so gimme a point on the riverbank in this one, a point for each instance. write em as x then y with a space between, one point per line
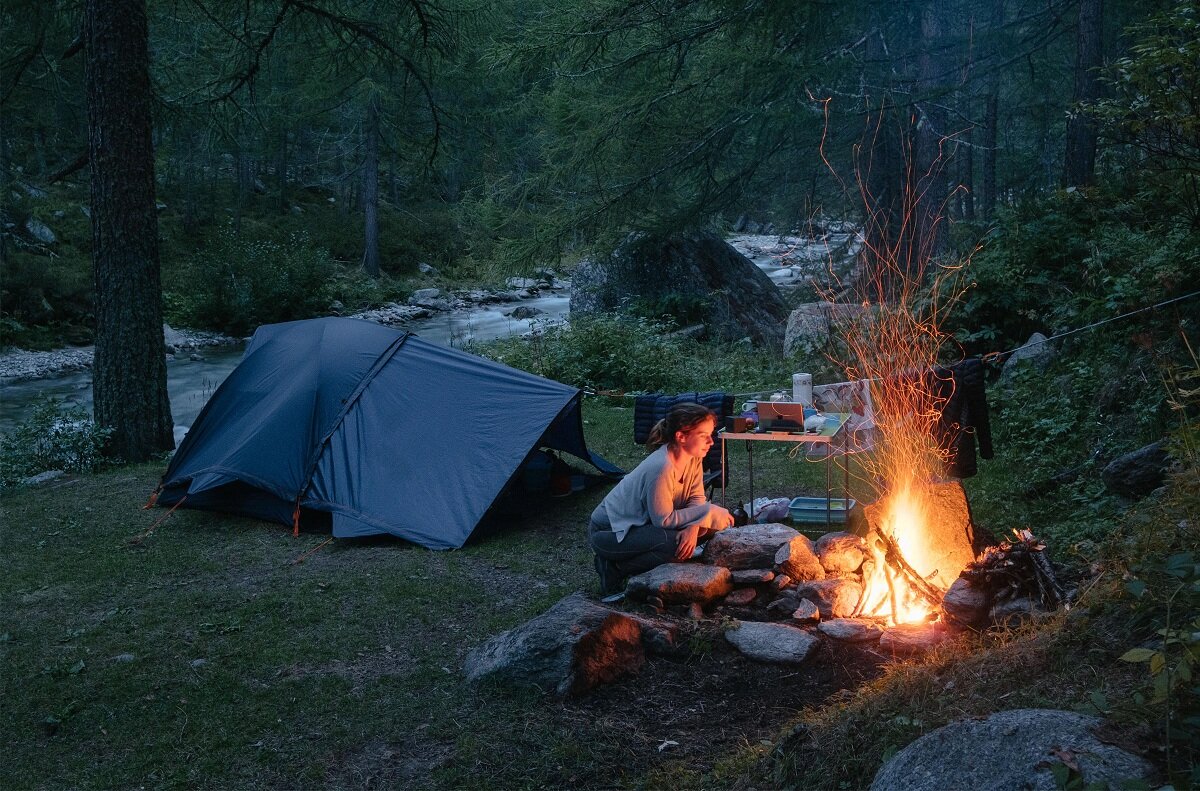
24 365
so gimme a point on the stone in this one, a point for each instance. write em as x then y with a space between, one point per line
40 231
1009 750
1138 473
798 560
851 630
682 269
815 325
949 539
522 282
781 582
806 612
695 611
841 552
1035 352
772 642
1013 612
426 269
431 298
43 477
336 307
681 583
749 546
751 576
836 598
786 603
196 664
569 649
913 639
524 312
124 658
741 597
965 603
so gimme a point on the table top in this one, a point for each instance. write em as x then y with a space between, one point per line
834 421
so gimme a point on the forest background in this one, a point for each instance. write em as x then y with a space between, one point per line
307 153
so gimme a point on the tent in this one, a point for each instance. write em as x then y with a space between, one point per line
370 430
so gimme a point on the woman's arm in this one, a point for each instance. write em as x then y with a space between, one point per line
660 503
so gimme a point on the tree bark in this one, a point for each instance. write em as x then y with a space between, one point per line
370 189
1079 162
129 379
991 119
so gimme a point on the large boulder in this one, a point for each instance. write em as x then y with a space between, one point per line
749 546
681 583
841 552
1138 473
570 648
1023 748
734 298
1036 352
815 326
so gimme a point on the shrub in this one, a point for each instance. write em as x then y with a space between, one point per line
235 283
55 437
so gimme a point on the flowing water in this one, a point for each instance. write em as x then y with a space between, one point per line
190 383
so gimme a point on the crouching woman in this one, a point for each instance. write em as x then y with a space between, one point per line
658 513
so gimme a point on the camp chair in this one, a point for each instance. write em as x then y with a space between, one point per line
653 407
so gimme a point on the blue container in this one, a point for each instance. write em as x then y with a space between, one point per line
812 510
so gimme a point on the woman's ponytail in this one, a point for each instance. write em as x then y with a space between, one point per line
681 418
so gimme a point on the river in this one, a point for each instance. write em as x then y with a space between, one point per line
190 383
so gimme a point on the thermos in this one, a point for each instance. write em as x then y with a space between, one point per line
802 388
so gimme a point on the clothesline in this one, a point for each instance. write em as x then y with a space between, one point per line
989 357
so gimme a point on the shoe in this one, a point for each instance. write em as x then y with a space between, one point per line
610 578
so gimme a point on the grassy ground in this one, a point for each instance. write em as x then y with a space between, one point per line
206 657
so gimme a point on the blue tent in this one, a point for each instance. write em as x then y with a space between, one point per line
371 430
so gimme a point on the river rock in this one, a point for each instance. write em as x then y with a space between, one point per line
835 598
798 560
772 642
741 597
965 603
681 583
431 298
686 268
1138 473
1010 750
913 639
524 312
851 630
806 612
841 552
752 576
749 546
570 648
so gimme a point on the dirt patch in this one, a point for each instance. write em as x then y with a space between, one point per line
711 703
380 764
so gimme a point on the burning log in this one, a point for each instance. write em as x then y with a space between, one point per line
1017 567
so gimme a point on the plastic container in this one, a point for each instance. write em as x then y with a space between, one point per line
812 510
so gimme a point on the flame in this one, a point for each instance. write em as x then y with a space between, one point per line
904 296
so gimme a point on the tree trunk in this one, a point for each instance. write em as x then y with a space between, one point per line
991 119
931 179
129 379
370 188
1079 163
281 170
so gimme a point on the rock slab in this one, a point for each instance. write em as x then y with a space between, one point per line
570 648
681 583
748 547
1009 750
772 642
851 630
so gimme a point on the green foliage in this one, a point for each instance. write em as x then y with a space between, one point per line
55 437
631 354
236 283
1171 602
1072 259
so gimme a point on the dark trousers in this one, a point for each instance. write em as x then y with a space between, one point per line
644 547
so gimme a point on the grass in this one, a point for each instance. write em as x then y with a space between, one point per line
205 658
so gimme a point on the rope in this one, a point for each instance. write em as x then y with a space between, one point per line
138 539
986 357
311 552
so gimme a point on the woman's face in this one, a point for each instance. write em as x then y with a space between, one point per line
696 440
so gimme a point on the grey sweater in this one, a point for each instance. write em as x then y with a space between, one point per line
657 492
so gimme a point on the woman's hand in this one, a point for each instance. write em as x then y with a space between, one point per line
719 518
687 542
